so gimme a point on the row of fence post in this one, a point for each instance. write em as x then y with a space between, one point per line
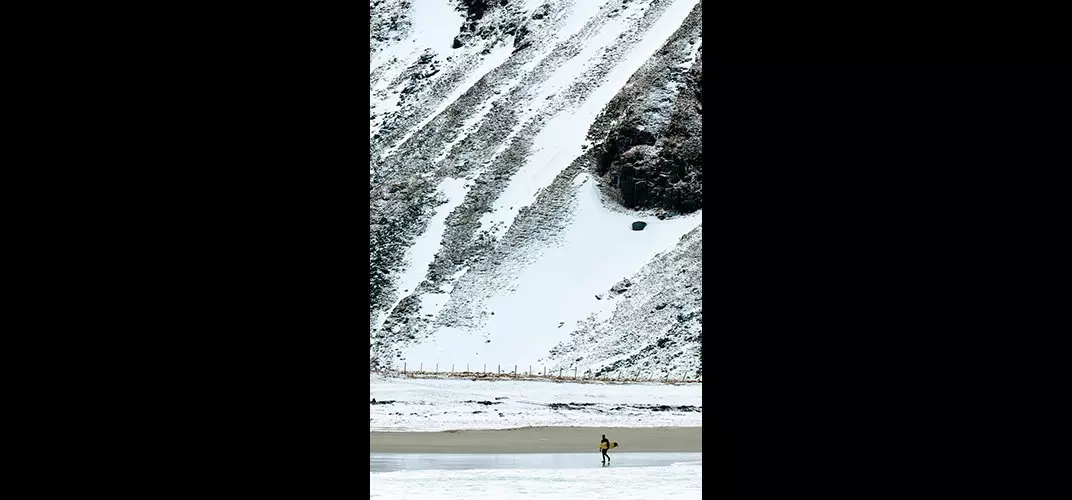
637 376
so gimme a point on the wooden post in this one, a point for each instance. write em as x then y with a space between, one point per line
403 367
515 371
545 371
452 368
574 373
559 373
437 367
530 370
422 367
500 369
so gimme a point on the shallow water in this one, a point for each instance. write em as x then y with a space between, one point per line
391 462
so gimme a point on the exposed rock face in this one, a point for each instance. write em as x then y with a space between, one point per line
653 155
474 9
490 20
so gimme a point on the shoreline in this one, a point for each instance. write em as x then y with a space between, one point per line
540 440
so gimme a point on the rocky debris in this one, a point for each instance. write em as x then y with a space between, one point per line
385 402
603 407
489 23
542 11
639 225
621 286
474 9
388 22
414 76
485 403
570 406
669 407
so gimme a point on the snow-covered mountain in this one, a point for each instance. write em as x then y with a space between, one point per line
514 146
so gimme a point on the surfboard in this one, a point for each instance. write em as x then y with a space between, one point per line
613 444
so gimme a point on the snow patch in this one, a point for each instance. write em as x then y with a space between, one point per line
435 24
681 481
581 178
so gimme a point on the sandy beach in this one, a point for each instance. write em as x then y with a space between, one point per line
540 440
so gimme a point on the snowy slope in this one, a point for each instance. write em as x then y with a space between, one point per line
493 236
437 405
657 318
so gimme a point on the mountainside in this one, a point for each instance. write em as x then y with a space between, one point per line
515 145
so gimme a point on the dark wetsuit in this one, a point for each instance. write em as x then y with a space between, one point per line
604 450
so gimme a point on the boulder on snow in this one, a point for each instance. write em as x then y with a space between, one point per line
639 225
620 287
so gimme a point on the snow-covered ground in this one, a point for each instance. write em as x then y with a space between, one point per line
513 261
682 480
392 462
437 405
564 281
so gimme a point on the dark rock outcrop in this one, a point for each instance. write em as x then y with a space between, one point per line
652 156
664 171
474 9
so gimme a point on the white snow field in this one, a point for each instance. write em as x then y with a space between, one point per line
393 462
681 480
439 404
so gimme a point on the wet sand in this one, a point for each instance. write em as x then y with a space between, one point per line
540 440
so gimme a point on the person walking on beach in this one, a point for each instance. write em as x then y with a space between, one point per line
604 445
